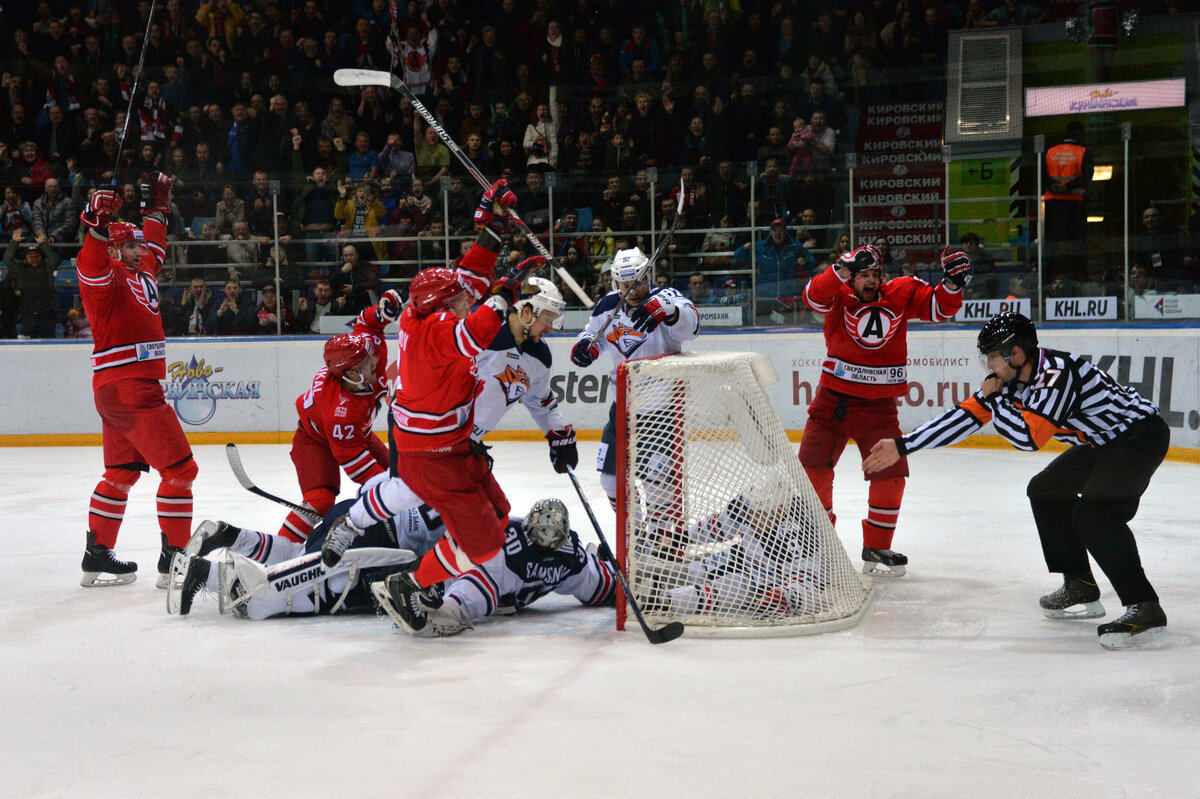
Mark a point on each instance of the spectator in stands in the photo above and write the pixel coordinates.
(356, 279)
(308, 319)
(15, 213)
(1163, 250)
(233, 314)
(208, 253)
(244, 251)
(775, 191)
(32, 170)
(31, 277)
(717, 246)
(271, 315)
(984, 282)
(639, 45)
(230, 209)
(55, 218)
(1014, 14)
(196, 304)
(891, 267)
(363, 162)
(394, 161)
(361, 215)
(433, 157)
(540, 141)
(1142, 283)
(699, 290)
(779, 261)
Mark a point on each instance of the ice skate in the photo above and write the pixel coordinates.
(193, 582)
(231, 598)
(165, 558)
(450, 618)
(179, 567)
(99, 560)
(210, 536)
(1143, 625)
(1076, 599)
(407, 603)
(883, 562)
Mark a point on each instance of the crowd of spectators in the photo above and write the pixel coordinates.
(236, 102)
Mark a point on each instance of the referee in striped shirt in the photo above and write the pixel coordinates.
(1082, 502)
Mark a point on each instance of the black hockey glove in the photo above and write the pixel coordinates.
(957, 267)
(563, 452)
(585, 351)
(507, 288)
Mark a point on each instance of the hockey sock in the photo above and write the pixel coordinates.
(106, 509)
(175, 501)
(297, 527)
(476, 589)
(822, 483)
(444, 561)
(883, 509)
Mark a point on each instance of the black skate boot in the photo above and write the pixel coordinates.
(407, 603)
(195, 580)
(165, 557)
(1079, 598)
(883, 562)
(99, 560)
(1143, 624)
(210, 536)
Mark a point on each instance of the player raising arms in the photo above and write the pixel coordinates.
(649, 322)
(1082, 502)
(118, 283)
(336, 415)
(433, 410)
(865, 370)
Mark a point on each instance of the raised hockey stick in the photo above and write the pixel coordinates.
(660, 635)
(133, 93)
(375, 77)
(239, 471)
(654, 256)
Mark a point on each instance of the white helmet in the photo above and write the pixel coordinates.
(545, 297)
(627, 264)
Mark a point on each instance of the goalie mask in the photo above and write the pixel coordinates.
(547, 523)
(627, 265)
(545, 297)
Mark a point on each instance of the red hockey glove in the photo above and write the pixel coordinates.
(99, 210)
(390, 306)
(507, 288)
(957, 267)
(653, 312)
(563, 453)
(493, 207)
(155, 190)
(585, 351)
(865, 257)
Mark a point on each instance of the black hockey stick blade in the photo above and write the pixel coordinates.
(239, 471)
(655, 635)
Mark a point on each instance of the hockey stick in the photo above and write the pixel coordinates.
(658, 251)
(239, 471)
(661, 635)
(133, 93)
(375, 77)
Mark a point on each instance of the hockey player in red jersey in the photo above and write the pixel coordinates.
(336, 413)
(433, 410)
(864, 372)
(118, 283)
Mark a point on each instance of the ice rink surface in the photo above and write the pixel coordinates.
(952, 685)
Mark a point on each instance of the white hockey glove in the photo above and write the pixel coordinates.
(339, 539)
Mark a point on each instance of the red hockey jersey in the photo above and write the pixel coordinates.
(867, 342)
(436, 384)
(342, 419)
(122, 305)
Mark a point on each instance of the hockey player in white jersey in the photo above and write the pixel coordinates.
(649, 322)
(516, 368)
(542, 554)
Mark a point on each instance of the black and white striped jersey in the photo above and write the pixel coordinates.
(1067, 399)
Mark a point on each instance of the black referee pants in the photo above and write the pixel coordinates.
(1082, 503)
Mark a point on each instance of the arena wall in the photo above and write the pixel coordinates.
(243, 390)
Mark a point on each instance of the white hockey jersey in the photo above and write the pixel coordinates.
(622, 342)
(514, 373)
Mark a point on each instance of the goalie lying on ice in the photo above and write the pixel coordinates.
(265, 575)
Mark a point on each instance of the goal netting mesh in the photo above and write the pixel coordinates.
(718, 526)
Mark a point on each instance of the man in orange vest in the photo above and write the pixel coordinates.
(1066, 174)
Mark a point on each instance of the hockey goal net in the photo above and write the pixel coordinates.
(717, 525)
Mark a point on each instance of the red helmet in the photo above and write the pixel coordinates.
(121, 232)
(433, 288)
(346, 351)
